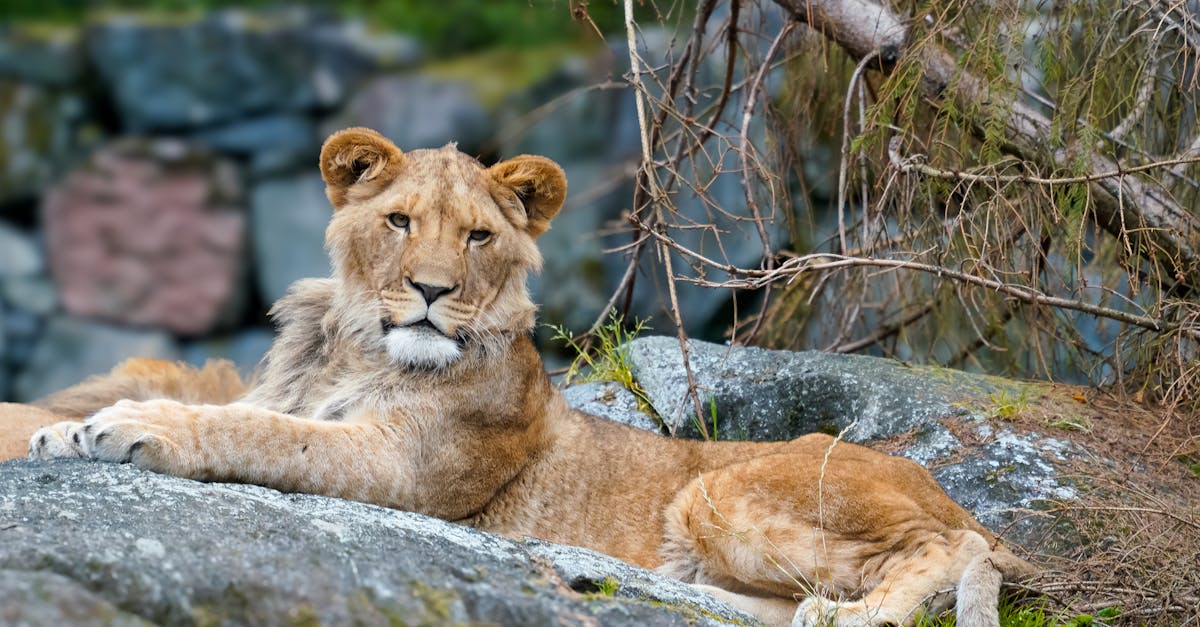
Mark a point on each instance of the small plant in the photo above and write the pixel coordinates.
(603, 355)
(1073, 422)
(1007, 405)
(712, 426)
(608, 586)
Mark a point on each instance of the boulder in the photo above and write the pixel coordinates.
(149, 233)
(935, 416)
(609, 400)
(417, 111)
(181, 72)
(70, 350)
(39, 137)
(43, 53)
(288, 217)
(107, 538)
(19, 254)
(270, 143)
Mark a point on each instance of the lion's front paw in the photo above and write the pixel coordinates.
(143, 433)
(58, 441)
(818, 611)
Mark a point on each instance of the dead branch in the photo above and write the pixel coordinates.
(1122, 203)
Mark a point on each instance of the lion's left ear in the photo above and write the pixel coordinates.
(540, 185)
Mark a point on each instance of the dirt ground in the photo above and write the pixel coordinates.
(1132, 539)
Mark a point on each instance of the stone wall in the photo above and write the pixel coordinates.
(158, 181)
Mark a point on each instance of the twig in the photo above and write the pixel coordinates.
(913, 164)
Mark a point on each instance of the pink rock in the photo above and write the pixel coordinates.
(141, 241)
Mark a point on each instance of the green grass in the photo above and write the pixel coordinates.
(711, 429)
(1008, 405)
(604, 356)
(1013, 615)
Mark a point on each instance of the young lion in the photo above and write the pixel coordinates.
(409, 380)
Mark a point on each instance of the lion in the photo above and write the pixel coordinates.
(409, 379)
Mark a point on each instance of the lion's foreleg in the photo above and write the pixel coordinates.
(239, 442)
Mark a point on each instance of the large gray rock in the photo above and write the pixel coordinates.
(191, 72)
(778, 395)
(271, 143)
(19, 254)
(70, 350)
(611, 401)
(417, 111)
(288, 217)
(935, 416)
(134, 544)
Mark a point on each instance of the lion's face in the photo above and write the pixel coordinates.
(436, 246)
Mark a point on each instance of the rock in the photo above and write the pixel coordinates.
(1001, 479)
(778, 395)
(184, 72)
(417, 111)
(19, 254)
(70, 350)
(44, 599)
(21, 329)
(149, 233)
(245, 349)
(3, 353)
(272, 143)
(41, 53)
(34, 294)
(288, 217)
(38, 139)
(931, 415)
(609, 400)
(110, 534)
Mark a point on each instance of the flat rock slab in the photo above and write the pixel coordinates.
(130, 546)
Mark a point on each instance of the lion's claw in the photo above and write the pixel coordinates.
(126, 432)
(58, 441)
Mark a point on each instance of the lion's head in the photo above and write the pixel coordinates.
(433, 247)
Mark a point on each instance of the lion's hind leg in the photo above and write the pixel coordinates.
(919, 581)
(855, 556)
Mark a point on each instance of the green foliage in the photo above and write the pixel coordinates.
(608, 586)
(445, 27)
(711, 427)
(1007, 404)
(604, 355)
(1015, 615)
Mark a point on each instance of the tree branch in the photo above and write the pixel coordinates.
(1123, 204)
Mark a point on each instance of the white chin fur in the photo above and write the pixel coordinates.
(421, 347)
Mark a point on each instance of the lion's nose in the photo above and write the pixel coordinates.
(430, 292)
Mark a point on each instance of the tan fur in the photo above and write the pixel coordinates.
(462, 422)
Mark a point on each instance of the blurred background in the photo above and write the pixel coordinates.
(158, 179)
(159, 187)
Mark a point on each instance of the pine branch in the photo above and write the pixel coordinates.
(1123, 204)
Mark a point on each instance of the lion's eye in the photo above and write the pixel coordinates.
(479, 235)
(398, 221)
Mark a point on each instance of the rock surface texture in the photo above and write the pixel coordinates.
(102, 544)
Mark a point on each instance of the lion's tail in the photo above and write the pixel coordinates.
(217, 382)
(979, 586)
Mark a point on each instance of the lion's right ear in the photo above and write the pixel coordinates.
(356, 156)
